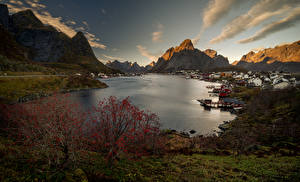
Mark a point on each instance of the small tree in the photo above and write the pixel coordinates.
(118, 127)
(51, 127)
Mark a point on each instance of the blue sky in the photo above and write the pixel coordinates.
(142, 30)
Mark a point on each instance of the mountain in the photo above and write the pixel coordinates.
(126, 67)
(150, 66)
(235, 63)
(45, 44)
(185, 56)
(218, 60)
(280, 58)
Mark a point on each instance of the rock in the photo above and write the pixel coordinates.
(4, 16)
(211, 53)
(150, 66)
(26, 19)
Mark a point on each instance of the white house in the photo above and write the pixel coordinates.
(256, 81)
(281, 85)
(267, 79)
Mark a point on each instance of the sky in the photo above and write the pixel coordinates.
(142, 30)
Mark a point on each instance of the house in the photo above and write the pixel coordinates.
(257, 82)
(267, 79)
(281, 85)
(246, 76)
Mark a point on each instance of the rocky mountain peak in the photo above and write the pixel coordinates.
(4, 16)
(79, 35)
(168, 54)
(211, 53)
(235, 62)
(82, 45)
(152, 64)
(185, 45)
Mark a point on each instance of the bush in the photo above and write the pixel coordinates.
(118, 127)
(57, 131)
(50, 128)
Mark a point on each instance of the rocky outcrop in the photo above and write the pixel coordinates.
(211, 53)
(126, 67)
(279, 58)
(150, 66)
(185, 56)
(47, 45)
(10, 48)
(4, 16)
(235, 63)
(218, 60)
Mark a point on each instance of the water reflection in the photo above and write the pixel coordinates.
(172, 98)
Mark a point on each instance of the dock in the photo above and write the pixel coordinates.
(225, 103)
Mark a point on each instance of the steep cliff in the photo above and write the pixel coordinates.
(47, 45)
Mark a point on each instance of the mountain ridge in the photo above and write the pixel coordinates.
(126, 66)
(280, 58)
(46, 45)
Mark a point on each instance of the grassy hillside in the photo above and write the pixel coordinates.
(11, 89)
(176, 167)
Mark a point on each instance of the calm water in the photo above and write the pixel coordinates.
(172, 98)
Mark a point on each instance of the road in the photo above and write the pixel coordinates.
(29, 76)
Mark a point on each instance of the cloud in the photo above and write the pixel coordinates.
(157, 35)
(146, 53)
(258, 13)
(215, 10)
(257, 49)
(35, 4)
(85, 23)
(103, 11)
(71, 22)
(113, 57)
(16, 2)
(58, 22)
(276, 26)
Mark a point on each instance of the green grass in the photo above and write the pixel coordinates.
(13, 88)
(244, 93)
(14, 166)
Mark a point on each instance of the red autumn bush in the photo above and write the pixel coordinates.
(50, 128)
(120, 128)
(57, 129)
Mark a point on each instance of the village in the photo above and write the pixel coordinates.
(265, 80)
(232, 79)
